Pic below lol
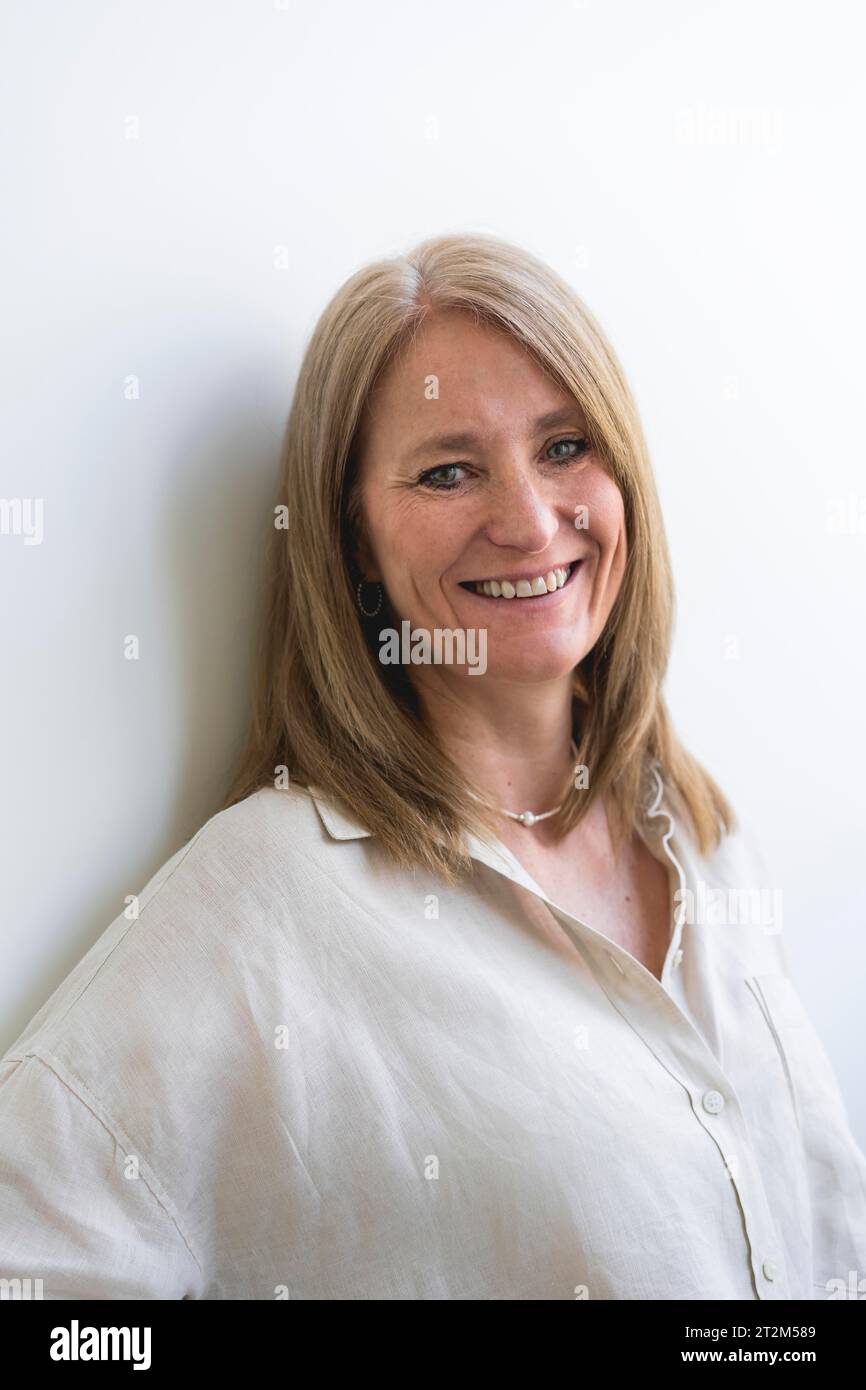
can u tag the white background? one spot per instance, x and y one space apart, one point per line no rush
694 169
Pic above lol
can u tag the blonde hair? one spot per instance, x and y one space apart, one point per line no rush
324 707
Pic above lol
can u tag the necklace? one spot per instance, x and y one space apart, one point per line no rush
527 818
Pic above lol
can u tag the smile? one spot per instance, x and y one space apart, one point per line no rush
525 588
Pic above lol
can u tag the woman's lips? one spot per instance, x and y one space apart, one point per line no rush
532 600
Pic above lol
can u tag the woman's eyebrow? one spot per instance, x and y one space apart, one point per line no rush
467 439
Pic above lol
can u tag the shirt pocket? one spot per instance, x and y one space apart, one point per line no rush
809 1073
833 1162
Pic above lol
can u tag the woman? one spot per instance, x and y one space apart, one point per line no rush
457 997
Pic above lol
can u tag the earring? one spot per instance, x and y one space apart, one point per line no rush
361 583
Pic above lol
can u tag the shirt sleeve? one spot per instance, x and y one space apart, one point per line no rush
75 1211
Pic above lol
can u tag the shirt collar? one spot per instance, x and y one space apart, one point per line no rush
341 826
338 825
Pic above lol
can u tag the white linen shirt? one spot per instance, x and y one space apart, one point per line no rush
302 1073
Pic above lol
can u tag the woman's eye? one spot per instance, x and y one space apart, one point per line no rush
430 480
581 446
434 480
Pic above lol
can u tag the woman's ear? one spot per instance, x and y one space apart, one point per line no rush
362 557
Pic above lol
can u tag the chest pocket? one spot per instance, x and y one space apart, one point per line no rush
808 1070
835 1164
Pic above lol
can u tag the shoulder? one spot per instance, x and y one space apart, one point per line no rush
271 843
252 884
738 860
730 895
161 1045
268 824
738 853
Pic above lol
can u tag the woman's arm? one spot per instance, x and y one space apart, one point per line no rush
78 1216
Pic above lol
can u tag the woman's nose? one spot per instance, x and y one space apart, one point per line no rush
519 514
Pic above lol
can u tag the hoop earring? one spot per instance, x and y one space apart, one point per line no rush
361 583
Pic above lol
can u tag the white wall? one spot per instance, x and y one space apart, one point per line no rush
691 167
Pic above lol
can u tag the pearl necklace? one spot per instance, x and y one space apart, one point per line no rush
528 818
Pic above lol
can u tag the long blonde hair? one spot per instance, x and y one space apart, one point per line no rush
324 707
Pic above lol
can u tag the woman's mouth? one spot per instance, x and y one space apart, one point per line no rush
535 587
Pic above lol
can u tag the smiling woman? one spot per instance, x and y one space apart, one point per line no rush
478 429
425 1010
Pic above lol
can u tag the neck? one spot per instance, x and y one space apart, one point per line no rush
513 740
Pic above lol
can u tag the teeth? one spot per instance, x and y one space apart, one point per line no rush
525 588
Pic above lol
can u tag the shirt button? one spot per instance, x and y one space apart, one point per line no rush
678 955
712 1101
770 1269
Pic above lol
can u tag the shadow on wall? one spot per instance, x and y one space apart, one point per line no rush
206 560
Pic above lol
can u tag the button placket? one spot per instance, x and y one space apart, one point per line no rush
716 1107
672 1042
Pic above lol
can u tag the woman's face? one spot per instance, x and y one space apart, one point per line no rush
513 493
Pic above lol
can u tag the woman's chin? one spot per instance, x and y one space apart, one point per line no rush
529 667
